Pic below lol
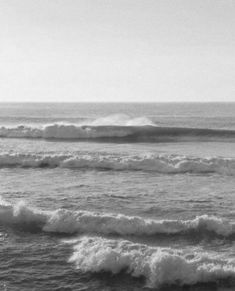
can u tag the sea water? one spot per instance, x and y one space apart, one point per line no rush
117 197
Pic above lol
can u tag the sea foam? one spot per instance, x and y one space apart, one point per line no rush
168 164
72 222
159 266
136 130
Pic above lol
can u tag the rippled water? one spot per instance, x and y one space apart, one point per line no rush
117 214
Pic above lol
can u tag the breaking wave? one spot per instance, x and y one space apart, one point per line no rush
71 222
132 131
145 162
160 266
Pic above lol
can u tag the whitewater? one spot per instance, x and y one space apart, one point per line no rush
116 133
125 197
168 164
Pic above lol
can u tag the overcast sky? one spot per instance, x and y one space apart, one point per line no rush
117 50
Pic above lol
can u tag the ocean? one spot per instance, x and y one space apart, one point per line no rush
117 196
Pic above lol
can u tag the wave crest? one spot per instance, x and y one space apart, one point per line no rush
68 221
168 164
134 131
158 265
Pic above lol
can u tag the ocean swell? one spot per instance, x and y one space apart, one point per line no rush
71 222
168 164
115 133
160 266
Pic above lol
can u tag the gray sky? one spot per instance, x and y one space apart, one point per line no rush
117 50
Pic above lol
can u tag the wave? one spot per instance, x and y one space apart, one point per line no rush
160 266
146 162
115 133
72 222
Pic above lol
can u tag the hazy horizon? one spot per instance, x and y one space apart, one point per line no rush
112 102
117 51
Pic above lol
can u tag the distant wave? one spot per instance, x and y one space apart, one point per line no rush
67 221
168 164
160 266
115 133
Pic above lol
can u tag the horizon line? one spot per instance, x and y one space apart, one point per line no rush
111 102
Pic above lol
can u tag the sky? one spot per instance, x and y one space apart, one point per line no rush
117 50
